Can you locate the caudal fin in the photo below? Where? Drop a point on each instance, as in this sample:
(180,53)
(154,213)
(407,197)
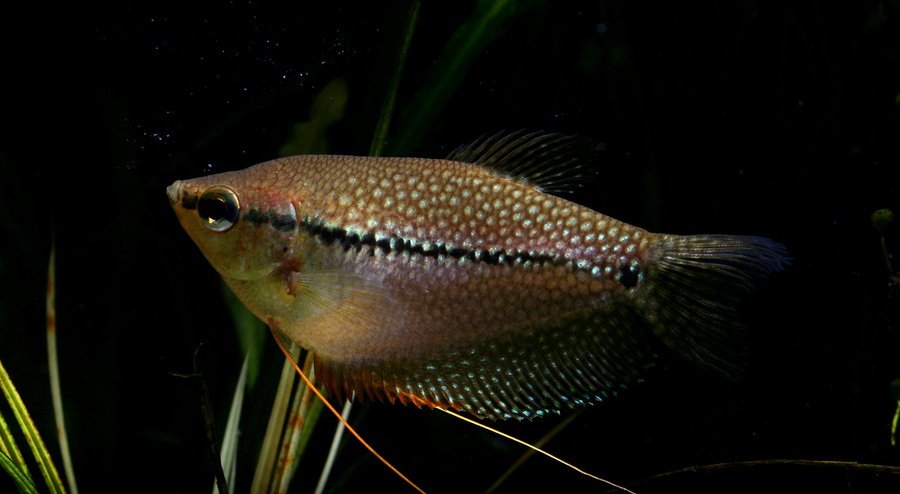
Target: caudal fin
(694,284)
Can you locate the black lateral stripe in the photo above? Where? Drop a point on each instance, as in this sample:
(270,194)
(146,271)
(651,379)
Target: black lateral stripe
(398,245)
(283,222)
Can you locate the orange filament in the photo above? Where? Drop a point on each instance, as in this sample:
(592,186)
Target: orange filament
(537,449)
(340,418)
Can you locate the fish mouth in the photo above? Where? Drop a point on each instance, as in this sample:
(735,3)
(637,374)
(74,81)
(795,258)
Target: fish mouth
(174,192)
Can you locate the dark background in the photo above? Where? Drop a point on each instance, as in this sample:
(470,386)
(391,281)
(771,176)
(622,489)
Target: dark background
(779,119)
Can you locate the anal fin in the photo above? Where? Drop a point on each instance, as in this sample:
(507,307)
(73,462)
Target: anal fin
(530,374)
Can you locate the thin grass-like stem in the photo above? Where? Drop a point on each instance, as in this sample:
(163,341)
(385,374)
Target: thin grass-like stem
(53,367)
(289,451)
(390,97)
(265,466)
(230,439)
(332,451)
(894,424)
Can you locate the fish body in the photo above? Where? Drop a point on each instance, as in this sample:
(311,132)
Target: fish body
(455,284)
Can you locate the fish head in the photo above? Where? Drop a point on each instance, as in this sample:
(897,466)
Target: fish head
(245,227)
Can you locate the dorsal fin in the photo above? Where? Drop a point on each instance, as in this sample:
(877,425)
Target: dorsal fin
(555,163)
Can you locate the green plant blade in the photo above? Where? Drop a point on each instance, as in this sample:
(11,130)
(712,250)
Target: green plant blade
(300,423)
(251,334)
(41,455)
(332,451)
(265,466)
(467,43)
(309,137)
(9,447)
(21,478)
(390,98)
(228,455)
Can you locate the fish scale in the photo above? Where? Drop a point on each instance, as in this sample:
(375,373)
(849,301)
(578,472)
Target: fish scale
(454,284)
(462,206)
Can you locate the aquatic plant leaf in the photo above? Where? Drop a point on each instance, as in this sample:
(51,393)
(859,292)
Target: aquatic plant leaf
(308,137)
(470,39)
(9,447)
(228,454)
(300,423)
(38,448)
(390,98)
(266,463)
(333,450)
(19,476)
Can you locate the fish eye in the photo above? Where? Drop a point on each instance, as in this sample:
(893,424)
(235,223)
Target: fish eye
(219,208)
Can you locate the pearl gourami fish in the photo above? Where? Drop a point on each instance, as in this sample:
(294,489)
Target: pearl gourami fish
(462,283)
